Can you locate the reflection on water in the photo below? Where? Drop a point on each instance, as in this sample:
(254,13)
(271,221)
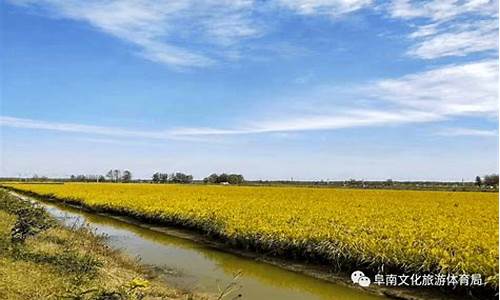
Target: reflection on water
(205,269)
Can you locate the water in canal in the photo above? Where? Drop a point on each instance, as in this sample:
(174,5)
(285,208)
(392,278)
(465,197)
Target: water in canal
(197,267)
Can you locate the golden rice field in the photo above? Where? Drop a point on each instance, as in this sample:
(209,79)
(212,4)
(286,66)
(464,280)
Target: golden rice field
(410,231)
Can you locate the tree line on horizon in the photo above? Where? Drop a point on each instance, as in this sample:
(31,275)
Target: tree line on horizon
(186,178)
(113,175)
(487,180)
(177,177)
(116,175)
(224,178)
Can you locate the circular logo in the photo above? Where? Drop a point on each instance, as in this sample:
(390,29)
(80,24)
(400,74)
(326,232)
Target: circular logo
(364,281)
(360,278)
(356,275)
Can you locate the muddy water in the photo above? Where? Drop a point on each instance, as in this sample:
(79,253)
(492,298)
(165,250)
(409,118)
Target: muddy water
(193,266)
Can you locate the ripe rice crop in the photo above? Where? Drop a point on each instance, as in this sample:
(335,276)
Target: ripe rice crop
(408,231)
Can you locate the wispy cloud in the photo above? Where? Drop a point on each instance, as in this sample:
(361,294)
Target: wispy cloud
(183,33)
(454,90)
(7,121)
(455,40)
(163,31)
(341,120)
(346,119)
(438,94)
(449,28)
(431,96)
(187,33)
(325,7)
(435,95)
(467,132)
(440,10)
(117,132)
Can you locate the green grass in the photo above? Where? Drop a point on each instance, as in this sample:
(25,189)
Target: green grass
(40,259)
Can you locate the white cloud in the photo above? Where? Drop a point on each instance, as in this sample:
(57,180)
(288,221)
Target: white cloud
(435,95)
(153,26)
(327,7)
(440,10)
(190,33)
(6,121)
(467,132)
(457,40)
(188,134)
(450,27)
(184,33)
(346,119)
(467,89)
(425,30)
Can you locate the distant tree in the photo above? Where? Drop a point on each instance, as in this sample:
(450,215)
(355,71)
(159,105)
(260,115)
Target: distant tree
(36,177)
(235,179)
(110,176)
(352,182)
(181,178)
(101,178)
(491,180)
(479,182)
(126,176)
(156,177)
(81,178)
(164,177)
(161,177)
(223,178)
(72,178)
(229,178)
(212,178)
(117,174)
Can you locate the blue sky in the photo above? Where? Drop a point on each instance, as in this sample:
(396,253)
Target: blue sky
(309,89)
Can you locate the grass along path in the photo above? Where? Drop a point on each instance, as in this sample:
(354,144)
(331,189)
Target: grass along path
(40,259)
